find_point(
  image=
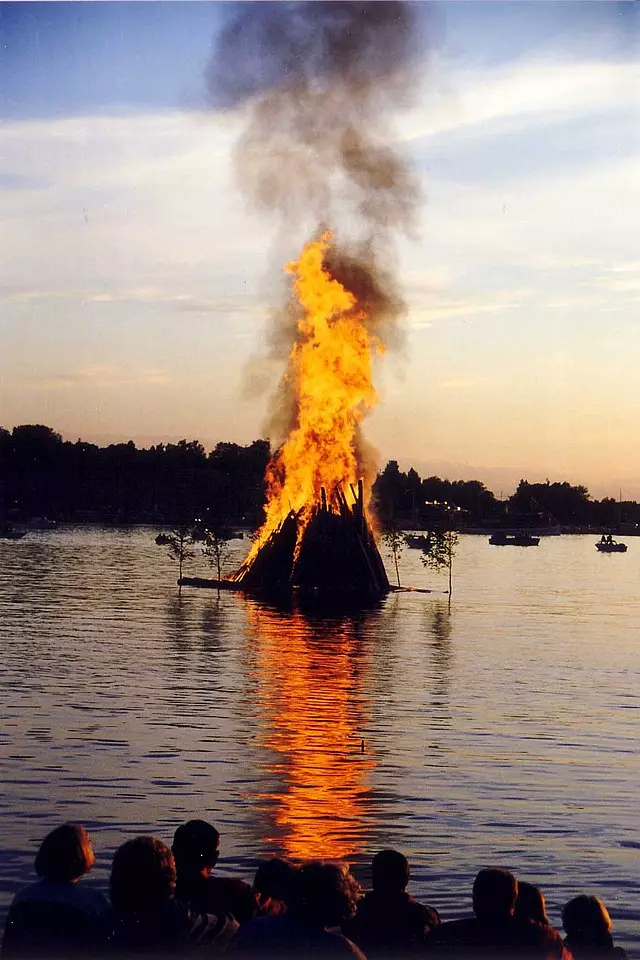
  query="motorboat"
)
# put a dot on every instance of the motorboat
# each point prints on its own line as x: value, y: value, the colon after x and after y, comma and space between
x: 499, y: 539
x: 415, y: 540
x: 9, y: 532
x: 608, y: 545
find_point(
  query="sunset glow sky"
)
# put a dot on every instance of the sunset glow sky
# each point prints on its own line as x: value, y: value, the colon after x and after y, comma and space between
x: 135, y: 282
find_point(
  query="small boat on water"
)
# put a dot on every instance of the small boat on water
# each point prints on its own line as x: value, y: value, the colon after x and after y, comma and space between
x: 41, y: 523
x: 607, y: 544
x: 9, y: 532
x: 415, y: 540
x: 499, y: 539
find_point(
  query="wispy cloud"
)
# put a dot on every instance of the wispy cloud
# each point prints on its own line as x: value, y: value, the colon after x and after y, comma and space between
x: 520, y: 93
x: 99, y: 375
x: 620, y: 277
x: 447, y: 307
x: 154, y: 296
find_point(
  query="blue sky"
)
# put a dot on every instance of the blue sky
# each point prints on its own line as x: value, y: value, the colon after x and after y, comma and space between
x: 135, y: 282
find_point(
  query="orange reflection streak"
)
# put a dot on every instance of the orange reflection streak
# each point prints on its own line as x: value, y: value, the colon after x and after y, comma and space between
x: 311, y: 705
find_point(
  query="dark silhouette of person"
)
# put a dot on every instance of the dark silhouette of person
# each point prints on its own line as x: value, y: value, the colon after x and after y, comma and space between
x: 146, y: 917
x: 273, y: 886
x: 388, y: 920
x: 588, y: 927
x: 196, y: 848
x: 57, y: 916
x: 495, y: 931
x: 530, y: 904
x: 323, y: 898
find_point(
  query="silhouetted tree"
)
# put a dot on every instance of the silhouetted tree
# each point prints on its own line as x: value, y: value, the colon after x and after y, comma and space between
x: 559, y: 502
x: 388, y: 490
x: 179, y: 542
x: 439, y: 551
x: 394, y: 540
x: 216, y: 548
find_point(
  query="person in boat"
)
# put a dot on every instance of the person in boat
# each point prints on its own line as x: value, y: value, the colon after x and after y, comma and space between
x: 196, y: 849
x: 57, y: 916
x: 323, y: 899
x: 388, y: 920
x: 588, y: 927
x: 495, y: 930
x: 146, y: 917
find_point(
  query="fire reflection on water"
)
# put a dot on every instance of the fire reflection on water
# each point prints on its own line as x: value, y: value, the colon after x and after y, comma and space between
x: 312, y: 708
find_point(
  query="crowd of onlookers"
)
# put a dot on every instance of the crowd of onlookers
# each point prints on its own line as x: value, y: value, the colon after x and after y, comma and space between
x: 168, y: 902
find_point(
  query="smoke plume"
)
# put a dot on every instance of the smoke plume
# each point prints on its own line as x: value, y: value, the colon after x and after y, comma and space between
x: 318, y: 83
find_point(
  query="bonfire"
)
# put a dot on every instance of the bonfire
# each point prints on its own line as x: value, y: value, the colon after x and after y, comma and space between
x: 318, y: 530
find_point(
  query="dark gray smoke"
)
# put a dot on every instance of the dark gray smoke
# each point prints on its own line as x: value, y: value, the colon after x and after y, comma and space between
x: 319, y: 82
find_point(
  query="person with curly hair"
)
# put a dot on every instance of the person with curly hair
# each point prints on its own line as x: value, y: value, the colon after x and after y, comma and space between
x: 323, y: 897
x: 146, y: 916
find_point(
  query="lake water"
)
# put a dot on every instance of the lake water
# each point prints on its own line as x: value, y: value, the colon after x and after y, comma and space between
x: 503, y: 731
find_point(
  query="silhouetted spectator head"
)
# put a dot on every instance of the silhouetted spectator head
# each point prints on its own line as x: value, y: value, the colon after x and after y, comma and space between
x: 274, y: 879
x: 494, y: 894
x: 530, y: 904
x: 325, y: 894
x: 143, y: 876
x: 586, y: 920
x: 390, y: 872
x: 196, y: 846
x: 65, y: 854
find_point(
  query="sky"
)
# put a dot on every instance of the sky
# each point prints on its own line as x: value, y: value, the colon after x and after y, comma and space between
x: 136, y: 282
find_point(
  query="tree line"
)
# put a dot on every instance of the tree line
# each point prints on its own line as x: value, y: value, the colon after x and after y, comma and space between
x: 42, y: 475
x: 406, y: 500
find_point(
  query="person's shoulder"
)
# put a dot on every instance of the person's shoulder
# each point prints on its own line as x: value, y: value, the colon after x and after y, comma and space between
x: 334, y: 943
x: 427, y: 915
x: 228, y: 883
x: 619, y: 954
x: 203, y: 928
x: 261, y: 933
x: 90, y: 899
x: 457, y: 929
x: 31, y: 891
x: 70, y: 894
x: 545, y: 934
x: 453, y: 936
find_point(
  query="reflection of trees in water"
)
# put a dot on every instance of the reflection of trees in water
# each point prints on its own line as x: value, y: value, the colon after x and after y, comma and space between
x: 212, y: 624
x: 191, y: 626
x: 179, y: 628
x: 311, y: 705
x: 439, y: 626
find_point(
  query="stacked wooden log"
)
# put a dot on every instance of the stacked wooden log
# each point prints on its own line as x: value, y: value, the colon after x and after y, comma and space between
x: 337, y: 557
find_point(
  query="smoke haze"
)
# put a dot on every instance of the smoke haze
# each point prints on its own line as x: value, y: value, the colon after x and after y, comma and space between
x: 318, y: 82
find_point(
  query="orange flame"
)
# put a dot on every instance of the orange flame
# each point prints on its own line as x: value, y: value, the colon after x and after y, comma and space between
x: 330, y: 372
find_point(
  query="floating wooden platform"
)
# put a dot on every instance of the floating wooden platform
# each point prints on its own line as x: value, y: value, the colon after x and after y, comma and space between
x: 210, y: 584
